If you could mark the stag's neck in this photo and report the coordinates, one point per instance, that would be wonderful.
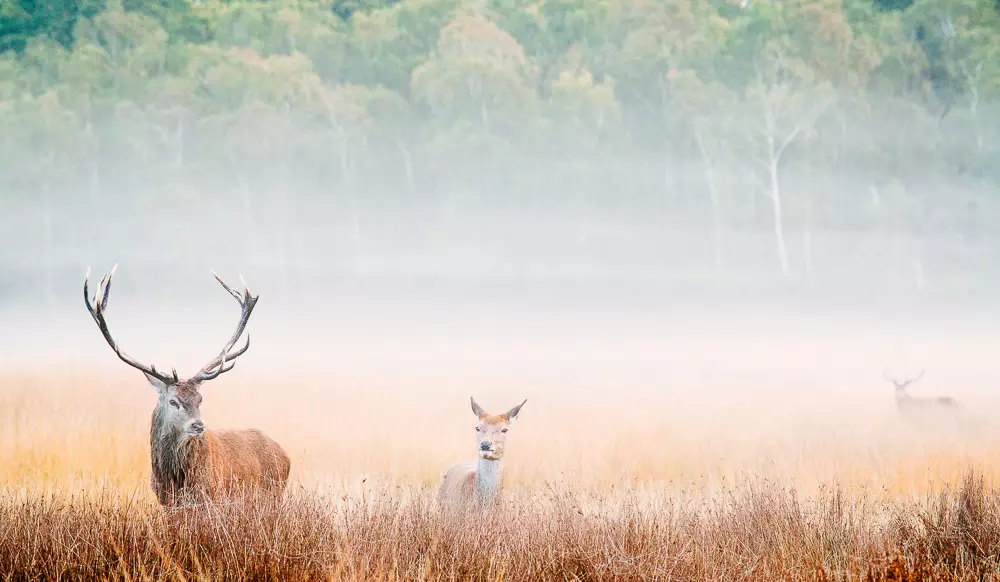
(173, 452)
(489, 475)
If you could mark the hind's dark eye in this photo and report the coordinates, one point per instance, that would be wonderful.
(504, 430)
(174, 404)
(477, 429)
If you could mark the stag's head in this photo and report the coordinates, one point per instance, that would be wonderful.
(491, 430)
(902, 385)
(178, 410)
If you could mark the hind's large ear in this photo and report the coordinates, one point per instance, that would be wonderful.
(156, 383)
(476, 409)
(512, 413)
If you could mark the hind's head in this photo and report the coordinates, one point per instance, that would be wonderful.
(491, 430)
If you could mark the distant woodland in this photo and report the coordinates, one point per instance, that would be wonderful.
(699, 136)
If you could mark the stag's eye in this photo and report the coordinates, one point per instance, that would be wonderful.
(477, 429)
(504, 430)
(174, 404)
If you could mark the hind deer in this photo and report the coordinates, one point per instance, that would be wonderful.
(909, 405)
(191, 463)
(477, 484)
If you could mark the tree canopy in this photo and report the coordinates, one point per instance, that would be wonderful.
(719, 112)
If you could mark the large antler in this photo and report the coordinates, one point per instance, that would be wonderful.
(901, 384)
(96, 309)
(218, 365)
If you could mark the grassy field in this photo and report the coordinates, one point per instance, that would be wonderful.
(697, 460)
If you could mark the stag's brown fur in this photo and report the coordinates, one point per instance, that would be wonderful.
(190, 463)
(215, 464)
(220, 463)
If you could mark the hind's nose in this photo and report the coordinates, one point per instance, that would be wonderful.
(197, 427)
(484, 446)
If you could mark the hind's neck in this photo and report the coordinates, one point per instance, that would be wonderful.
(489, 475)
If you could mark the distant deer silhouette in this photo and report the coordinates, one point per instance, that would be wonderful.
(192, 463)
(909, 405)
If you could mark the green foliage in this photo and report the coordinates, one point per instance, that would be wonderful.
(345, 9)
(180, 18)
(21, 20)
(182, 88)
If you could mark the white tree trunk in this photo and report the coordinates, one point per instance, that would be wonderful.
(411, 183)
(713, 197)
(808, 250)
(347, 168)
(918, 272)
(49, 235)
(250, 228)
(779, 226)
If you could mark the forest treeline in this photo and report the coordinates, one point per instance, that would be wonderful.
(315, 123)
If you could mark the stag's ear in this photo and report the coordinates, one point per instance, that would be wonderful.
(476, 409)
(512, 413)
(155, 382)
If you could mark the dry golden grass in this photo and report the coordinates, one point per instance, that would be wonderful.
(757, 531)
(612, 475)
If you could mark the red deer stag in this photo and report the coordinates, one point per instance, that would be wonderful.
(478, 484)
(910, 405)
(191, 463)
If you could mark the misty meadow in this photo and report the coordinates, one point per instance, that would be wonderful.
(548, 289)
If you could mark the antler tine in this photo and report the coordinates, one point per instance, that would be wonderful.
(232, 291)
(905, 381)
(894, 381)
(96, 309)
(218, 366)
(229, 357)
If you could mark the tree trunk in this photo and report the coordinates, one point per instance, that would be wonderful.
(244, 187)
(918, 272)
(49, 236)
(179, 143)
(411, 183)
(808, 250)
(779, 227)
(283, 219)
(974, 110)
(94, 197)
(347, 168)
(713, 197)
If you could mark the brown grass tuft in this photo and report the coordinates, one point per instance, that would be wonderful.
(609, 475)
(756, 531)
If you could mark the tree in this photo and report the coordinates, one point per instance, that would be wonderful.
(708, 108)
(478, 79)
(388, 44)
(961, 40)
(786, 94)
(586, 112)
(181, 19)
(21, 20)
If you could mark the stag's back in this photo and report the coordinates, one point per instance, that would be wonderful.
(242, 458)
(911, 406)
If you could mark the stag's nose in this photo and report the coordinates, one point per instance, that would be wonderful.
(197, 427)
(484, 446)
